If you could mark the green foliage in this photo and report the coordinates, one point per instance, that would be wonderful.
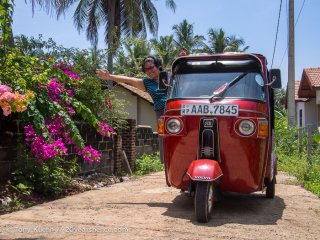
(6, 38)
(129, 57)
(50, 178)
(91, 90)
(279, 103)
(293, 159)
(30, 76)
(219, 42)
(184, 37)
(166, 49)
(295, 164)
(23, 189)
(284, 134)
(147, 164)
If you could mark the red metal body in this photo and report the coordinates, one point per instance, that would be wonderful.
(243, 163)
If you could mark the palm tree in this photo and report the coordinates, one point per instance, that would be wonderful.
(118, 17)
(185, 38)
(219, 42)
(129, 56)
(166, 49)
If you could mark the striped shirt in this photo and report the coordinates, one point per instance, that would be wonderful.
(159, 96)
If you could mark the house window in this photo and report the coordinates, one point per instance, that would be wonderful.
(300, 118)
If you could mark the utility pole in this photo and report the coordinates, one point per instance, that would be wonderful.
(291, 69)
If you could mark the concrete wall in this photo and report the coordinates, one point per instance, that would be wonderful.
(146, 114)
(131, 102)
(310, 113)
(138, 108)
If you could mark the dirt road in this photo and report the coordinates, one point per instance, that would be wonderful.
(146, 209)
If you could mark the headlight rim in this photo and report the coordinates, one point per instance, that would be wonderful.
(177, 121)
(241, 132)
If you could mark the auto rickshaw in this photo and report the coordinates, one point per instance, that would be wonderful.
(218, 127)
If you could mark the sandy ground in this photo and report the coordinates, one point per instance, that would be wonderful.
(146, 208)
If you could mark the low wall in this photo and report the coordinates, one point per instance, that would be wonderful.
(147, 140)
(132, 140)
(10, 131)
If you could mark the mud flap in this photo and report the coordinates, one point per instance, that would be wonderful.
(204, 170)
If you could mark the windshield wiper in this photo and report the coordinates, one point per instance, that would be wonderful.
(223, 89)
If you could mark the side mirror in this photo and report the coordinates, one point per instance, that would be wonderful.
(275, 78)
(163, 80)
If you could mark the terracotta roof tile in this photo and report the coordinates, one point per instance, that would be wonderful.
(296, 91)
(137, 92)
(314, 76)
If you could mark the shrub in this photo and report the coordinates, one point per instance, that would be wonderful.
(147, 164)
(293, 159)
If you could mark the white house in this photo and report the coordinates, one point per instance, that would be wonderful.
(139, 105)
(307, 98)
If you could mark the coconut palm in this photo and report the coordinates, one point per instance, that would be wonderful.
(185, 38)
(166, 49)
(219, 42)
(118, 17)
(129, 56)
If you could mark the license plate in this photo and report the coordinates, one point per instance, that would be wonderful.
(210, 109)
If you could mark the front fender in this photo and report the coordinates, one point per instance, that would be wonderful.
(204, 170)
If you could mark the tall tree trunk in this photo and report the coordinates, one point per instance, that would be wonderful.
(111, 23)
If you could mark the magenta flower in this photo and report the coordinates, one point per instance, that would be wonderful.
(40, 148)
(105, 130)
(89, 154)
(55, 90)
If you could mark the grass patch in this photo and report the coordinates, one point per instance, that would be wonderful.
(307, 173)
(146, 164)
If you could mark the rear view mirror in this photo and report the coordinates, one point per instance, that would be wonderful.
(163, 80)
(275, 78)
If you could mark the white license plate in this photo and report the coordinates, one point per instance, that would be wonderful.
(210, 109)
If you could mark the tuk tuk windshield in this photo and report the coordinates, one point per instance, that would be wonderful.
(247, 85)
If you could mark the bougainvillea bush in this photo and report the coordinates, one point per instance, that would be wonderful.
(44, 94)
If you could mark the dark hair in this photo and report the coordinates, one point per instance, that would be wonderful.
(152, 59)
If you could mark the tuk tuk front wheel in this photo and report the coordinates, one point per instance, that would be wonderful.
(271, 188)
(203, 201)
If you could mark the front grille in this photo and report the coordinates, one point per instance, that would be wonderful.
(208, 139)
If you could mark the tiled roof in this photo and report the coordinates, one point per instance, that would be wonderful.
(314, 76)
(137, 92)
(296, 90)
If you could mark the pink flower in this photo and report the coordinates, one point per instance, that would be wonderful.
(105, 130)
(55, 90)
(90, 155)
(4, 88)
(7, 96)
(6, 110)
(40, 148)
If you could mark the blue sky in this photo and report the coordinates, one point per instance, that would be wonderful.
(253, 20)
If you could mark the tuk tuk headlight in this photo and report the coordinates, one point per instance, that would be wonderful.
(173, 125)
(246, 127)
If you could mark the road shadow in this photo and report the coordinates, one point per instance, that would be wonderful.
(234, 208)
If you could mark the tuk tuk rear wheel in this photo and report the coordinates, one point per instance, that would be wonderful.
(271, 188)
(203, 201)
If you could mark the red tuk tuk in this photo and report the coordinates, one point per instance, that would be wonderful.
(218, 127)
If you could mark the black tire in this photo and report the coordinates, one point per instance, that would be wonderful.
(203, 201)
(271, 188)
